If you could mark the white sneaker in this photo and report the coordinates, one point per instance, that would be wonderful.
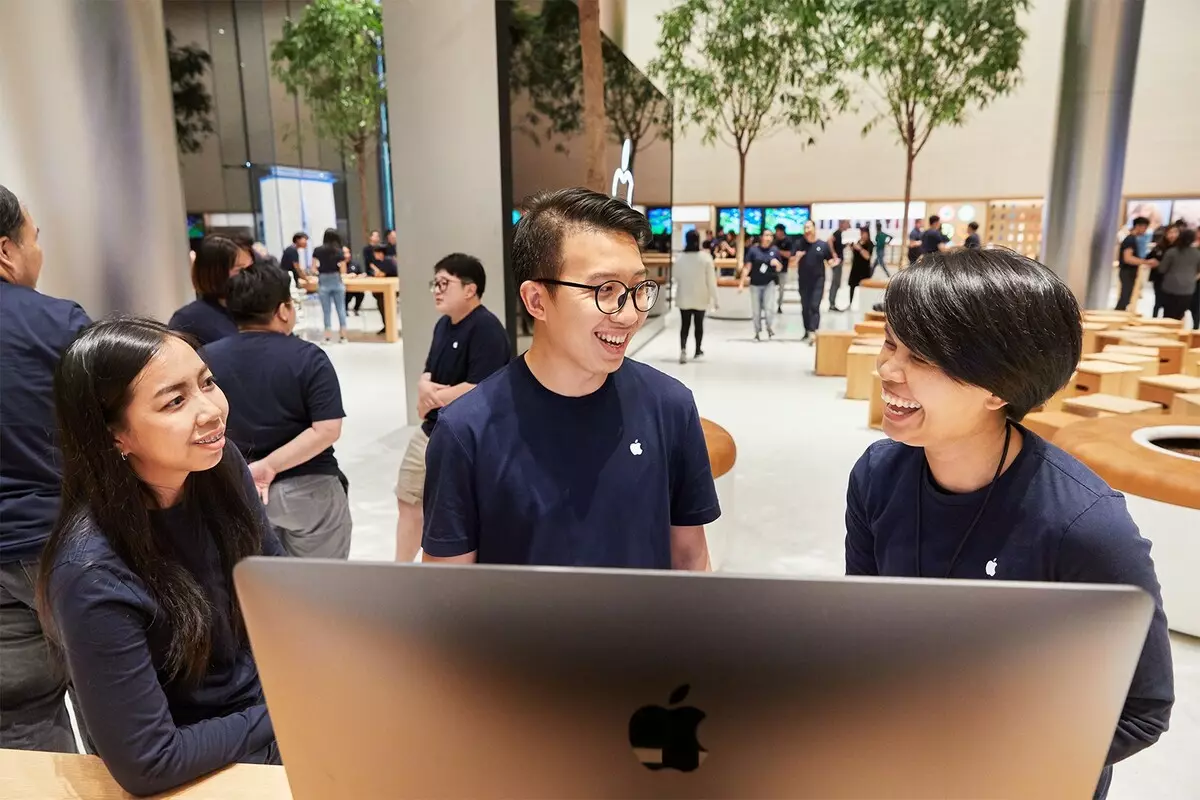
(683, 356)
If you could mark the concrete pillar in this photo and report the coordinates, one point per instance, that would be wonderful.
(443, 100)
(89, 146)
(1082, 211)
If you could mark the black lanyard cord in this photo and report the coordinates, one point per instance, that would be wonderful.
(978, 515)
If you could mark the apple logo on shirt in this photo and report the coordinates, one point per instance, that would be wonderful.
(636, 447)
(454, 345)
(990, 569)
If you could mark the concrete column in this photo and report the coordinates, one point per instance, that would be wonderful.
(443, 100)
(1082, 211)
(89, 146)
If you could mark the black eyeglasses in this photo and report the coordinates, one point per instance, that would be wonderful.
(441, 284)
(611, 295)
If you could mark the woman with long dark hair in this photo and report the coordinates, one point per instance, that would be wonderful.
(217, 260)
(975, 340)
(135, 583)
(696, 287)
(860, 268)
(329, 262)
(1162, 243)
(1180, 269)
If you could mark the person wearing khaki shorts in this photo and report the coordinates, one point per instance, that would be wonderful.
(469, 344)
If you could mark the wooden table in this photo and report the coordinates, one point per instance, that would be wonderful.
(60, 776)
(389, 287)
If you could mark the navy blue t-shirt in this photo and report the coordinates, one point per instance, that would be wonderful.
(207, 320)
(34, 330)
(152, 732)
(1130, 243)
(759, 258)
(1049, 518)
(932, 239)
(290, 260)
(277, 386)
(815, 254)
(468, 352)
(521, 475)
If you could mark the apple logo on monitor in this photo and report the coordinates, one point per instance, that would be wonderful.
(665, 738)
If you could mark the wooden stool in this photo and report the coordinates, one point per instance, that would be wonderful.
(869, 328)
(831, 351)
(869, 341)
(1047, 423)
(1154, 330)
(876, 316)
(1186, 404)
(1090, 330)
(1093, 405)
(1191, 362)
(1105, 377)
(1131, 349)
(1147, 364)
(875, 410)
(1120, 337)
(1170, 354)
(1193, 339)
(1162, 389)
(860, 363)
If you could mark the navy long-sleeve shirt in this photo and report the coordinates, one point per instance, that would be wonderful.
(1049, 518)
(154, 733)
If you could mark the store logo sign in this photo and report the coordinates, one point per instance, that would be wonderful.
(623, 175)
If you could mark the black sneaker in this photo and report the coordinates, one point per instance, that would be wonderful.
(699, 354)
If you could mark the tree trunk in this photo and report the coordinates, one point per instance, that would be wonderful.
(360, 166)
(594, 121)
(741, 236)
(905, 222)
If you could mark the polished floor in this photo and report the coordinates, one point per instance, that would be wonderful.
(797, 440)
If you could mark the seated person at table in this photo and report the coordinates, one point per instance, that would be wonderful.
(383, 266)
(353, 268)
(135, 583)
(574, 455)
(469, 344)
(974, 340)
(285, 413)
(206, 319)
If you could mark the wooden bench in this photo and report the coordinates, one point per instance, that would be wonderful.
(1186, 404)
(1047, 424)
(1105, 377)
(1095, 405)
(860, 363)
(875, 316)
(1090, 331)
(1162, 389)
(1170, 354)
(831, 351)
(1148, 364)
(29, 775)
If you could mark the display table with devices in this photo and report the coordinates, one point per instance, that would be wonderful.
(1144, 456)
(29, 775)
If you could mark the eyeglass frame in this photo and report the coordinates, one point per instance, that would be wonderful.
(453, 279)
(596, 292)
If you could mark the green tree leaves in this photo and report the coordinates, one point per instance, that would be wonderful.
(193, 103)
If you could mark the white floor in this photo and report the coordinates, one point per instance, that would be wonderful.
(797, 440)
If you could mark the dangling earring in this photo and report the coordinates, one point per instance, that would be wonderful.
(124, 455)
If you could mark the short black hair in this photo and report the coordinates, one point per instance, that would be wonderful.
(256, 292)
(12, 215)
(990, 318)
(296, 237)
(538, 237)
(1140, 221)
(781, 227)
(1187, 237)
(972, 226)
(691, 241)
(467, 269)
(378, 248)
(935, 219)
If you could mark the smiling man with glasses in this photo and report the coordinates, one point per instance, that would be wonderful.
(574, 455)
(469, 344)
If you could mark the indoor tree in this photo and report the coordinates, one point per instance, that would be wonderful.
(592, 71)
(330, 56)
(740, 70)
(930, 62)
(192, 101)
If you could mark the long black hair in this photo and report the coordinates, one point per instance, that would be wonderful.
(92, 389)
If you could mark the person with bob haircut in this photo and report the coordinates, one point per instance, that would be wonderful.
(285, 415)
(206, 319)
(135, 584)
(975, 339)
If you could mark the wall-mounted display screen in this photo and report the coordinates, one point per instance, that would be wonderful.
(727, 218)
(791, 217)
(660, 220)
(1157, 211)
(516, 217)
(195, 224)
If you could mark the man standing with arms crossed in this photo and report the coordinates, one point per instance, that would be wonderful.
(574, 455)
(469, 344)
(34, 330)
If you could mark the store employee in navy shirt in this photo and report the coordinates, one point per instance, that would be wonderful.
(760, 270)
(469, 344)
(572, 454)
(961, 490)
(206, 318)
(34, 330)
